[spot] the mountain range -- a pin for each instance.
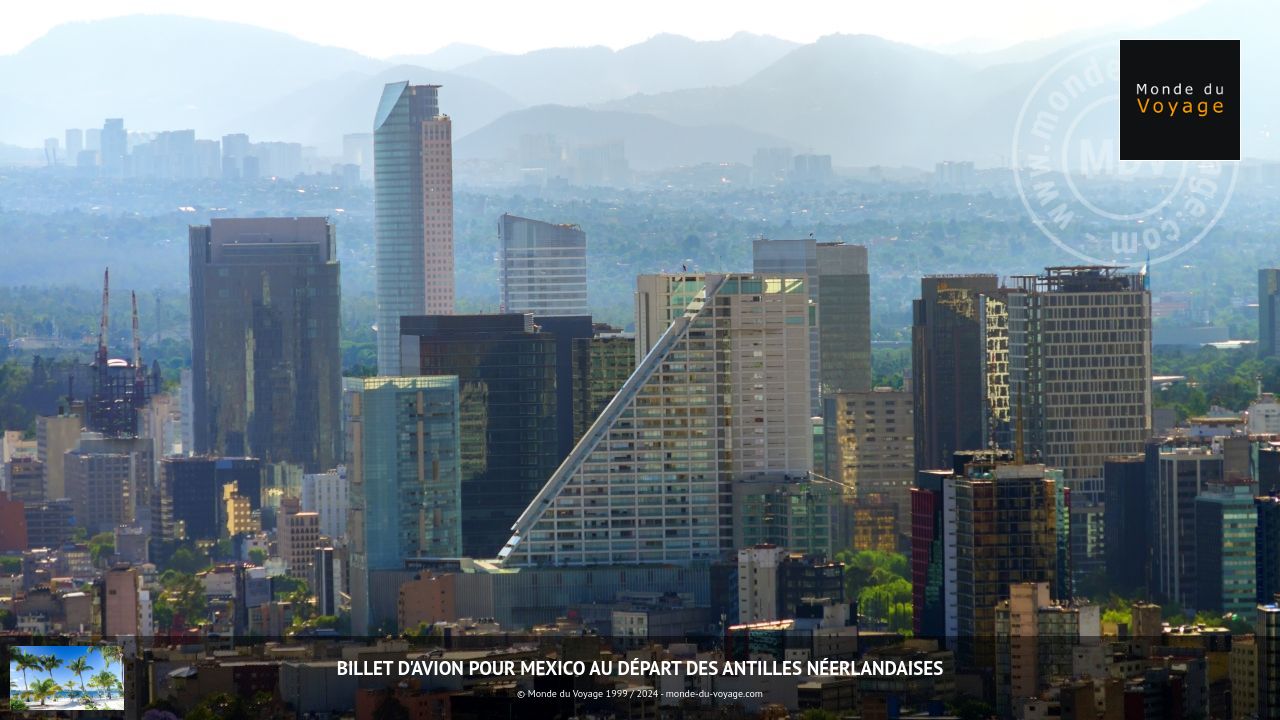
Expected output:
(863, 99)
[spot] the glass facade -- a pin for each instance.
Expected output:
(721, 394)
(506, 374)
(404, 468)
(266, 365)
(413, 212)
(542, 267)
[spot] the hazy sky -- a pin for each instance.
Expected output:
(380, 28)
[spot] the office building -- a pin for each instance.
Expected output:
(1178, 475)
(326, 495)
(324, 584)
(413, 212)
(190, 500)
(948, 368)
(1226, 525)
(1268, 312)
(791, 512)
(840, 286)
(13, 524)
(977, 528)
(542, 267)
(270, 286)
(721, 395)
(1080, 366)
(569, 331)
(298, 536)
(405, 477)
(1035, 639)
(102, 485)
(25, 480)
(55, 436)
(114, 153)
(1267, 549)
(1006, 533)
(869, 444)
(509, 423)
(120, 602)
(121, 388)
(601, 364)
(50, 524)
(1266, 631)
(758, 583)
(75, 144)
(1126, 522)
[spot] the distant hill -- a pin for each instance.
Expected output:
(446, 58)
(861, 98)
(159, 73)
(346, 104)
(651, 143)
(577, 76)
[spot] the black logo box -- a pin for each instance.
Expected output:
(1209, 132)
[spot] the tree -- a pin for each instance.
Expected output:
(111, 654)
(101, 547)
(105, 680)
(79, 667)
(42, 690)
(258, 556)
(25, 661)
(50, 663)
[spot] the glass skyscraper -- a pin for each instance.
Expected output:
(413, 212)
(542, 267)
(404, 469)
(265, 362)
(510, 431)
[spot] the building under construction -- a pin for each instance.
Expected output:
(120, 387)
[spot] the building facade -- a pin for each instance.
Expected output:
(413, 212)
(510, 427)
(721, 394)
(270, 286)
(542, 267)
(404, 469)
(948, 366)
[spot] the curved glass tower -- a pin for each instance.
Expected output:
(413, 212)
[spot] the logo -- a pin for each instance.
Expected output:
(1079, 192)
(1180, 99)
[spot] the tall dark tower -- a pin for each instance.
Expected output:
(265, 362)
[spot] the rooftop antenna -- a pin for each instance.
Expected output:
(102, 325)
(139, 377)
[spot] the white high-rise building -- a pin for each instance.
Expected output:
(758, 583)
(326, 495)
(720, 393)
(413, 212)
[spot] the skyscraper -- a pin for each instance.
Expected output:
(542, 267)
(115, 148)
(1268, 312)
(1226, 523)
(601, 364)
(1080, 364)
(1176, 477)
(404, 470)
(413, 212)
(269, 289)
(840, 286)
(1127, 520)
(510, 440)
(721, 394)
(947, 368)
(869, 446)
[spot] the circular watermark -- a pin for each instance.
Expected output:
(1082, 196)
